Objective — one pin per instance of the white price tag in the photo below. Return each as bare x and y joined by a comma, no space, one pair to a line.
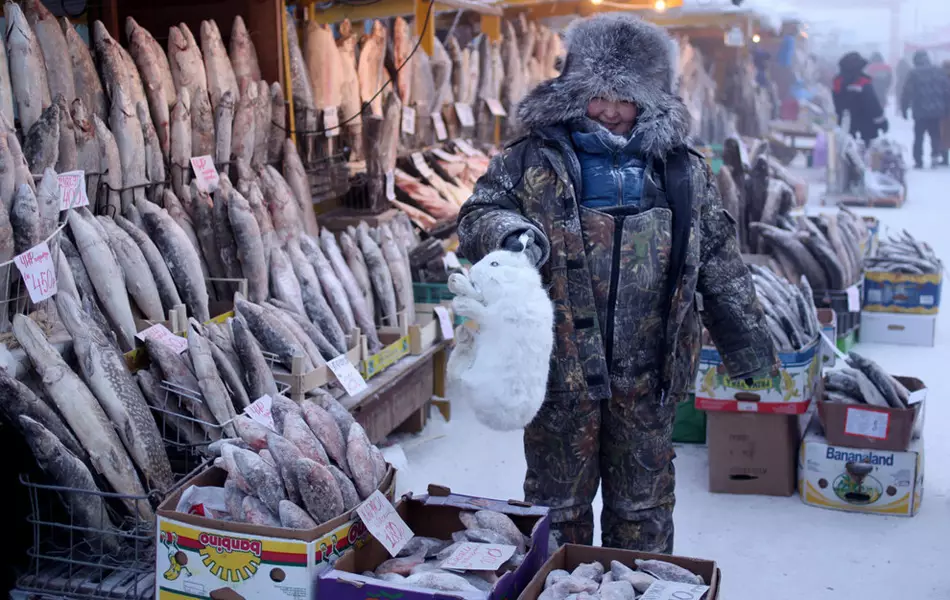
384,523
259,411
347,375
419,162
38,271
161,334
465,115
466,148
331,121
206,175
673,590
495,107
72,190
408,120
439,124
854,299
443,155
917,397
445,322
470,556
867,423
390,185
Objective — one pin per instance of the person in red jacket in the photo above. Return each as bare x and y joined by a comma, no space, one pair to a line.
853,92
882,77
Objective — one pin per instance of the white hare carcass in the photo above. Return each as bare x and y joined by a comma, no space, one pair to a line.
501,369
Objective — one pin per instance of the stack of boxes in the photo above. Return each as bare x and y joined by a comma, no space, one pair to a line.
900,308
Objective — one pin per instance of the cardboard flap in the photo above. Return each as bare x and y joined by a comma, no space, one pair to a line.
463,502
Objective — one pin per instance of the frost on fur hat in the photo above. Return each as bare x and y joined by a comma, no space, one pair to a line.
617,57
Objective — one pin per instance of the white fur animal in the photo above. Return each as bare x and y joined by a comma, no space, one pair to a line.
502,368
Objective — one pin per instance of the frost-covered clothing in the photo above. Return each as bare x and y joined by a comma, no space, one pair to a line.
853,92
611,167
926,92
623,282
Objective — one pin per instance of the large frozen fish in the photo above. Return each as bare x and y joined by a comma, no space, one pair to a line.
332,288
41,146
362,314
156,264
250,246
85,78
514,85
27,67
403,59
217,64
83,285
6,88
327,351
127,130
159,87
154,160
401,276
278,124
255,199
379,276
182,259
304,108
357,266
323,65
283,282
187,64
181,143
179,426
305,341
244,129
67,158
138,276
281,204
7,176
213,391
203,214
105,274
242,52
202,126
262,124
223,234
82,412
48,203
110,165
272,335
317,308
105,372
259,379
112,63
370,71
296,178
441,65
6,254
318,490
223,121
25,219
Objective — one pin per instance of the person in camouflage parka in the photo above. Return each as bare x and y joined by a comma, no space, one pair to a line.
625,281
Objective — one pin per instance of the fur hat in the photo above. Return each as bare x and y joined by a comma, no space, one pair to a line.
617,57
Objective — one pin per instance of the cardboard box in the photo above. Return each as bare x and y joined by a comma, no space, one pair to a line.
426,331
902,292
871,427
436,515
570,556
870,481
199,557
897,328
829,327
753,453
787,393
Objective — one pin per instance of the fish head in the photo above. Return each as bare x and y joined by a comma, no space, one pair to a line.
502,274
176,40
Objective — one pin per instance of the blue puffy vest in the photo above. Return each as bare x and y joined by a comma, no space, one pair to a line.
611,168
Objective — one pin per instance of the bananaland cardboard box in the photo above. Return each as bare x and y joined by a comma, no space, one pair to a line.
856,480
569,556
200,557
787,392
437,515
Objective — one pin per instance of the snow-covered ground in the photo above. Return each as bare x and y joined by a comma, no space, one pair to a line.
767,547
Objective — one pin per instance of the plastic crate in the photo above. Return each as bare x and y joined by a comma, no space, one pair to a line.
838,301
431,293
690,424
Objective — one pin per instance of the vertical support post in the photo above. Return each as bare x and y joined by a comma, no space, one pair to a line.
427,36
288,83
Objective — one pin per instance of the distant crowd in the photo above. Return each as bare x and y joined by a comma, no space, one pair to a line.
862,88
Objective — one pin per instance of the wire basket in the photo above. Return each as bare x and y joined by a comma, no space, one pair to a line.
329,177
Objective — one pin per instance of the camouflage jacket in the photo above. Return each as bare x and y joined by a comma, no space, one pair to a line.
533,184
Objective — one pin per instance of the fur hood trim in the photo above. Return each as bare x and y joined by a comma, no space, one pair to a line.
617,57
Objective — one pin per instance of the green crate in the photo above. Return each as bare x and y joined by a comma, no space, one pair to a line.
690,424
431,293
846,342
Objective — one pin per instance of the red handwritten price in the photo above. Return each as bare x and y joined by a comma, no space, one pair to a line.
38,272
260,411
384,523
161,334
206,175
469,556
72,189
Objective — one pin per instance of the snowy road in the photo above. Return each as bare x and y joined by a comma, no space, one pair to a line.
774,548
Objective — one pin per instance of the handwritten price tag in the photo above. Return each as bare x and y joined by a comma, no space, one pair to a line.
445,322
72,190
854,299
439,124
469,556
419,162
408,120
466,148
347,375
673,590
259,411
38,272
384,523
390,185
465,115
161,334
867,423
206,174
331,121
495,107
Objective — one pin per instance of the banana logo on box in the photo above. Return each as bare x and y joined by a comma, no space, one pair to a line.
230,559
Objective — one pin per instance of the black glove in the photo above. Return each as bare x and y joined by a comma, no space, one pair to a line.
514,243
885,126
